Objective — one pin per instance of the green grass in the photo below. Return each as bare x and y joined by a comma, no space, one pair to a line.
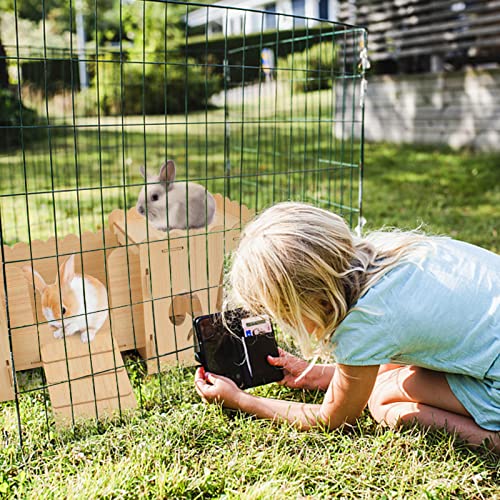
178,447
449,192
181,448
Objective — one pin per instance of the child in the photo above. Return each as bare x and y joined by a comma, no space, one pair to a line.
411,321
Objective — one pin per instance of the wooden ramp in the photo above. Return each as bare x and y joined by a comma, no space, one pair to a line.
85,380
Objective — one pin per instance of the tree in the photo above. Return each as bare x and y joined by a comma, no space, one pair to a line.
12,110
4,74
147,56
153,33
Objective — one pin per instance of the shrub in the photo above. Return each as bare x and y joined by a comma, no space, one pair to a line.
312,69
11,112
155,88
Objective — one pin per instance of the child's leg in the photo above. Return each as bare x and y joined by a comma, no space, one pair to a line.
387,367
410,393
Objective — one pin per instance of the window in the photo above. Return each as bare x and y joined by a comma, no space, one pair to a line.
270,19
299,9
323,9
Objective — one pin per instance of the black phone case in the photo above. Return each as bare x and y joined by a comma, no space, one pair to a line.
229,356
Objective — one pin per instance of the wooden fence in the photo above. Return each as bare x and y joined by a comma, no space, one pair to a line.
423,35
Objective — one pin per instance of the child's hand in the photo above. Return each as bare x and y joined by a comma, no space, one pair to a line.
293,367
217,389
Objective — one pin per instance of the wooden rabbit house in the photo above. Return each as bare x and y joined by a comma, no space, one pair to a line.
173,277
156,283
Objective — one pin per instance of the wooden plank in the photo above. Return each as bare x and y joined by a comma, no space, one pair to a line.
132,228
125,297
419,26
177,284
165,301
170,266
440,48
377,16
6,381
165,266
382,10
24,329
414,28
85,380
404,41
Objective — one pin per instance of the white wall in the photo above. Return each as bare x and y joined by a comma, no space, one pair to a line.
254,20
457,109
312,8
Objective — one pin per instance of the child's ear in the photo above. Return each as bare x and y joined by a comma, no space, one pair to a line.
33,276
67,270
167,172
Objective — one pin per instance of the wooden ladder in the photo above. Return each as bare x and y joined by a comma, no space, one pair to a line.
85,380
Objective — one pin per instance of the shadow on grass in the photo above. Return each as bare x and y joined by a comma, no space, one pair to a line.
450,192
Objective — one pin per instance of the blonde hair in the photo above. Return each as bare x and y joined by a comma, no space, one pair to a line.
296,261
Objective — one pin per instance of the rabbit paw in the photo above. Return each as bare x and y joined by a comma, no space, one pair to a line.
87,336
58,334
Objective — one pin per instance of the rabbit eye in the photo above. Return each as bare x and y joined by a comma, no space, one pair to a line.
141,210
63,310
154,197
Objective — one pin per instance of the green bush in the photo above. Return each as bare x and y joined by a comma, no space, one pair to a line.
133,88
245,64
11,112
312,69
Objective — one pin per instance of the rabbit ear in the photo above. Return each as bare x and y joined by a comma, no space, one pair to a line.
147,177
67,271
167,171
33,276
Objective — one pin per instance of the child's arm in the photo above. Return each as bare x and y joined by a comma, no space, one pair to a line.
345,399
299,374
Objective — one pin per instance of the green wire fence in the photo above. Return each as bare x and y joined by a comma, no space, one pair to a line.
272,113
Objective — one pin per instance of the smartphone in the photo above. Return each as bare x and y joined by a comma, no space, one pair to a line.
238,349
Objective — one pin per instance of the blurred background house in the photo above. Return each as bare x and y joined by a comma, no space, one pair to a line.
435,75
435,65
252,22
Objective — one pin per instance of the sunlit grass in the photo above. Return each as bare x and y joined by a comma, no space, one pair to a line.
175,446
67,180
183,448
450,192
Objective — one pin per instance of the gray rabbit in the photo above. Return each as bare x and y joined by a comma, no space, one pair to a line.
166,196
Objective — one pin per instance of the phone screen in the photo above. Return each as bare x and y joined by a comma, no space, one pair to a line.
221,346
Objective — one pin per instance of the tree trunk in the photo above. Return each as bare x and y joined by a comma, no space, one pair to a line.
4,75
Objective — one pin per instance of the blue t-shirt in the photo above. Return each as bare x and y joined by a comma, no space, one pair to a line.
440,309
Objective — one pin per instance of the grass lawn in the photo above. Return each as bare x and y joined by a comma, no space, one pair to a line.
181,448
178,447
449,192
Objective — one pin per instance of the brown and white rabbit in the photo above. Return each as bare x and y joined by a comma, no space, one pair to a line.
166,196
66,304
